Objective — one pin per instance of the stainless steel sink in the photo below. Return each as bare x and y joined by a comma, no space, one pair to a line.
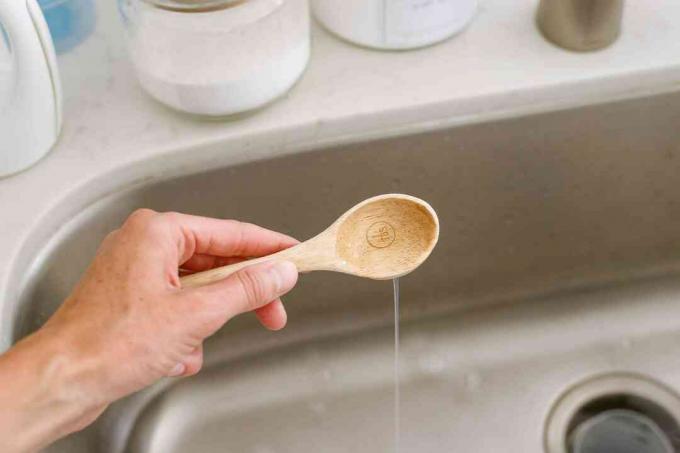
557,263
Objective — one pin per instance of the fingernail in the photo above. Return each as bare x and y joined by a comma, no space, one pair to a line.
284,274
178,370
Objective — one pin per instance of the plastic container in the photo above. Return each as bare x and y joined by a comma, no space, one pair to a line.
395,24
217,58
70,21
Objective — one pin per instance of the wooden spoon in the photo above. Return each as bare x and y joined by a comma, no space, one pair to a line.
380,238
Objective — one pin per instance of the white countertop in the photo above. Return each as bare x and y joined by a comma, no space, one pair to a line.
114,134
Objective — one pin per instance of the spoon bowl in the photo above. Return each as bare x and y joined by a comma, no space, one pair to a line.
386,236
383,237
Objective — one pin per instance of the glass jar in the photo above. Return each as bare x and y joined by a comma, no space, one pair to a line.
217,57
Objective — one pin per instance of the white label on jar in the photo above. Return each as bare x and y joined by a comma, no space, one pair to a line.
419,22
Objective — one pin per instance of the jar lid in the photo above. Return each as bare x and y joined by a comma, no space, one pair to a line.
194,5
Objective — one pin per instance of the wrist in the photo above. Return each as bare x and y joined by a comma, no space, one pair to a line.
45,392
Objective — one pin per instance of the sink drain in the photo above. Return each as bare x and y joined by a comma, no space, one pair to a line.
613,413
619,431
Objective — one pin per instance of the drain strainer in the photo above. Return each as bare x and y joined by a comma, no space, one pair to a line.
603,394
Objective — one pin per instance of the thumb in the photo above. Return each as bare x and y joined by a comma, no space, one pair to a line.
249,289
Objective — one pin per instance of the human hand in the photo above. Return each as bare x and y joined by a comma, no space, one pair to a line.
128,322
130,310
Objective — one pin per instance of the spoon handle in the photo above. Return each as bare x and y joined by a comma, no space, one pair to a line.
219,273
312,255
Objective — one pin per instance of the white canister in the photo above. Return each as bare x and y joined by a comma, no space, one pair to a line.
217,57
30,90
395,24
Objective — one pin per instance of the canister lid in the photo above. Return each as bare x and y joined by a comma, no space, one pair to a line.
195,5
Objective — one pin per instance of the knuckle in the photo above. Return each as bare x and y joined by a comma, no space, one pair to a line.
111,236
240,242
140,219
253,287
171,217
140,215
148,223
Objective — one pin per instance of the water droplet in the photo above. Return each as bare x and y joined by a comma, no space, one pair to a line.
432,364
626,343
318,407
473,381
313,354
263,449
419,342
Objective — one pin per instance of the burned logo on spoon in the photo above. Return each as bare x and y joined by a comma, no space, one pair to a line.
380,235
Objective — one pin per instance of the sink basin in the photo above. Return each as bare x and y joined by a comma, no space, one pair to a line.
557,264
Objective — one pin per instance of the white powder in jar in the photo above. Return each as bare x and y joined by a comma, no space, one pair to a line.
219,62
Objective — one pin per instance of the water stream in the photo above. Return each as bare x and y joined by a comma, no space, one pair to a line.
397,431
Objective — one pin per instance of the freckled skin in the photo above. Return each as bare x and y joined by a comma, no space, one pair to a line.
128,322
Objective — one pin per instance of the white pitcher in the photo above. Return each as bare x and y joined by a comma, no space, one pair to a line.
30,110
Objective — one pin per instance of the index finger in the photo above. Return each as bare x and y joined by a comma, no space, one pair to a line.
225,238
